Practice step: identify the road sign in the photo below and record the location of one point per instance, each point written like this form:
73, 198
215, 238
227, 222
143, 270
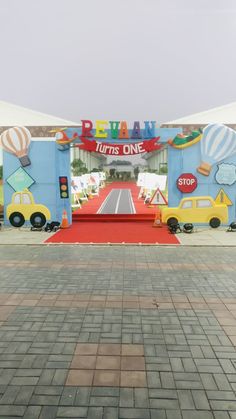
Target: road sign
186, 182
158, 198
222, 198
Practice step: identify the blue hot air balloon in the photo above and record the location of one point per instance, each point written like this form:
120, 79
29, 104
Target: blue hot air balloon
218, 142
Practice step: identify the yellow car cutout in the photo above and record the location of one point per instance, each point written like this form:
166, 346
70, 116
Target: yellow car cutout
23, 208
198, 209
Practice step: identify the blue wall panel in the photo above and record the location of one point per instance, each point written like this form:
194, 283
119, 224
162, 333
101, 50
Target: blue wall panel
47, 164
187, 161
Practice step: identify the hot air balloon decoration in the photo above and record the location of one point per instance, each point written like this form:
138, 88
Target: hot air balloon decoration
17, 141
218, 143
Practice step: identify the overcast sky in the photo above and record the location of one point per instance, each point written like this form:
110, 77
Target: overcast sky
118, 59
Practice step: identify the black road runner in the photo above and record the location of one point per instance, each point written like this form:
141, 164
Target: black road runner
118, 201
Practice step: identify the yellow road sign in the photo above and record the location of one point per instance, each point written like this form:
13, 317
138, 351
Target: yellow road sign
222, 198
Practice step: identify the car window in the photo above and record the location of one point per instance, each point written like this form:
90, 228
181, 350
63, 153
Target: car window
25, 199
204, 203
17, 199
187, 204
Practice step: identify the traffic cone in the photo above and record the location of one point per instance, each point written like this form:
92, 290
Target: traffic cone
157, 221
90, 196
64, 223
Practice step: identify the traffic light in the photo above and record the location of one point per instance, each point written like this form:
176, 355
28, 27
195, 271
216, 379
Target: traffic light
63, 184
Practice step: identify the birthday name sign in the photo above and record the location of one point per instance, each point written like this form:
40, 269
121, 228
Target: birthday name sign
108, 131
118, 129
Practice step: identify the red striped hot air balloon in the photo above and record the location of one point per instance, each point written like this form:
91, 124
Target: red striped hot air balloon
17, 141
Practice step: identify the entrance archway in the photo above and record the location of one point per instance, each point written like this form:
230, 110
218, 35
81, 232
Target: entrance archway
120, 201
37, 176
40, 184
114, 140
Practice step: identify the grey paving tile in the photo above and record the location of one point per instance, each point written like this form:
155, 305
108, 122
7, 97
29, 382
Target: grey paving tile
82, 396
105, 391
110, 413
68, 396
164, 404
167, 380
190, 414
48, 412
163, 394
127, 413
186, 400
103, 401
72, 412
10, 410
95, 413
45, 400
222, 382
32, 412
153, 379
223, 405
221, 395
24, 395
157, 414
173, 414
223, 415
141, 397
24, 381
200, 399
126, 397
209, 381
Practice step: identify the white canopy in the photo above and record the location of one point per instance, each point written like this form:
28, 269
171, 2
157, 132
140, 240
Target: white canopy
225, 114
13, 115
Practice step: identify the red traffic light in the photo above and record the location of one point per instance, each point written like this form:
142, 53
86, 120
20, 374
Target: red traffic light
63, 185
63, 179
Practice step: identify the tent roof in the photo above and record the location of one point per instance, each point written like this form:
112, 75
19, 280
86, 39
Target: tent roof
225, 114
13, 115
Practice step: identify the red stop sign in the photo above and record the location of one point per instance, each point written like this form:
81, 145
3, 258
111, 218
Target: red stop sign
186, 183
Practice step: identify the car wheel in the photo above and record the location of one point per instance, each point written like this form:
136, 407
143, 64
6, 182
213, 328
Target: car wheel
172, 221
38, 220
17, 219
214, 222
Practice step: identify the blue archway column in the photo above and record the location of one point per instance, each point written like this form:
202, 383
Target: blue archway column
47, 164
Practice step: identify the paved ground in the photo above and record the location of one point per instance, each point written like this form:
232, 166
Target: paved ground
11, 236
117, 332
202, 236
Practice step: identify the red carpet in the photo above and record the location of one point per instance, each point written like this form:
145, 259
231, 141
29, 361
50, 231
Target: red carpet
114, 232
93, 205
118, 228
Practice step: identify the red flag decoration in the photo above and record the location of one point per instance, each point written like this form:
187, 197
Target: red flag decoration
158, 198
119, 149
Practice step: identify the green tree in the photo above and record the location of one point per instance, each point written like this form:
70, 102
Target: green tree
78, 167
1, 172
163, 169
